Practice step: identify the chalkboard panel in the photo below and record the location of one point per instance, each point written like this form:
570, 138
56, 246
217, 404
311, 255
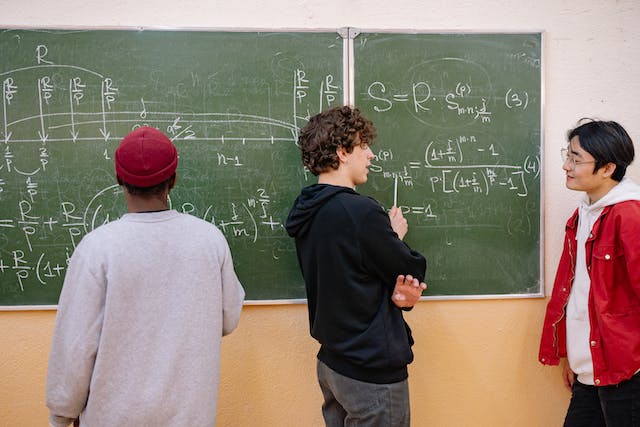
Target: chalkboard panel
459, 125
232, 102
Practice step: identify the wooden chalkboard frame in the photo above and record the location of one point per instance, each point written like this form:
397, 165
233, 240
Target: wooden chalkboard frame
348, 91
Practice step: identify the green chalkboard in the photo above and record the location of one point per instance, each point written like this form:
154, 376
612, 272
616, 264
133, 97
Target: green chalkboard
459, 131
458, 118
232, 102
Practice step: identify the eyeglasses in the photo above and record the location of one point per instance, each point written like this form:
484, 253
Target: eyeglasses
564, 153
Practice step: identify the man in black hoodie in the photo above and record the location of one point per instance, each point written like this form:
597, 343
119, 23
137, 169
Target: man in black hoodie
359, 276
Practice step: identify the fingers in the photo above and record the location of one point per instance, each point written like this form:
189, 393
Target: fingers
568, 377
407, 291
411, 281
396, 214
399, 223
415, 283
567, 382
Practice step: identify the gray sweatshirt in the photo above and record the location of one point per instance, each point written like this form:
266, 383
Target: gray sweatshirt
145, 303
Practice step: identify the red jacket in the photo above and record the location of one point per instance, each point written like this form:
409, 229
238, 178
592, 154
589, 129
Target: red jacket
613, 262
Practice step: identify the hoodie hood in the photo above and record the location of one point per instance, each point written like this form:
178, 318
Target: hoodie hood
625, 190
588, 213
307, 204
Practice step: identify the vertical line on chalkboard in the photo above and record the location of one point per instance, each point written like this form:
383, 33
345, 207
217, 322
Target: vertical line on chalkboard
295, 113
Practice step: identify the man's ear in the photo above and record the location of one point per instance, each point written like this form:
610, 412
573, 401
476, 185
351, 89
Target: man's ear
608, 170
342, 154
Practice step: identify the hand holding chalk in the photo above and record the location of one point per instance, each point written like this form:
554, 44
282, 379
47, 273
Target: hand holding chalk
398, 222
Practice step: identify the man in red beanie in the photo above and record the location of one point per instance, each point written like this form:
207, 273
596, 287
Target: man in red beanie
144, 305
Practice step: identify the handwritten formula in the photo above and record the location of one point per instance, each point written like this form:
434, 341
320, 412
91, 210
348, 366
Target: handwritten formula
458, 147
66, 106
458, 151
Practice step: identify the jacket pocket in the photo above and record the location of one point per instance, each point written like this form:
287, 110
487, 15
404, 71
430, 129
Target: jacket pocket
607, 262
619, 330
607, 252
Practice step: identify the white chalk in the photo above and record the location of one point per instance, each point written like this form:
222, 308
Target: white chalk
395, 192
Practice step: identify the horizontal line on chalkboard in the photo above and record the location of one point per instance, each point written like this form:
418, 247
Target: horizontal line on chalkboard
457, 226
118, 138
473, 167
149, 120
226, 118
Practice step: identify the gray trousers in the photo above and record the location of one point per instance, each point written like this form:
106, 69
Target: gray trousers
353, 403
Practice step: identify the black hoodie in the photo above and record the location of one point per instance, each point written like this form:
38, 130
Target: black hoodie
350, 257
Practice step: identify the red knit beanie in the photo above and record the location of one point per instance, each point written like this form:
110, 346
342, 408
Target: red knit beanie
145, 157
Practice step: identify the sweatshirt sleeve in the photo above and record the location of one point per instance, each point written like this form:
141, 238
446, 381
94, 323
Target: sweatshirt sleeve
386, 255
75, 341
232, 294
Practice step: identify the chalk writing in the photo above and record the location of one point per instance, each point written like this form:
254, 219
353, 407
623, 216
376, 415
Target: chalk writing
454, 148
64, 110
458, 151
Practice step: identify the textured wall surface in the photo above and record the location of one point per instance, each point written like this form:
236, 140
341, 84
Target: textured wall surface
476, 361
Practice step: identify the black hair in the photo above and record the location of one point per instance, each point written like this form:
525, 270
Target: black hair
607, 142
148, 192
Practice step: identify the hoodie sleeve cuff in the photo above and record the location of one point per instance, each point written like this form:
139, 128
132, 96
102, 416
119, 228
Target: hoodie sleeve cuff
57, 421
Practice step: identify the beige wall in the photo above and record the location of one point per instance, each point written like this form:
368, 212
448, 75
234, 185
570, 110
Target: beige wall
475, 366
475, 360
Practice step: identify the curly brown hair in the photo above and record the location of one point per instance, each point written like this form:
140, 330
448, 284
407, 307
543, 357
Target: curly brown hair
326, 132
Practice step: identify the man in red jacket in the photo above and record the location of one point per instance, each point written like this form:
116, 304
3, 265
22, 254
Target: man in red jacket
593, 317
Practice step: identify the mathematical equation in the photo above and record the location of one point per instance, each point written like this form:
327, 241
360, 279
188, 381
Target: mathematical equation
233, 104
459, 101
248, 219
455, 166
61, 123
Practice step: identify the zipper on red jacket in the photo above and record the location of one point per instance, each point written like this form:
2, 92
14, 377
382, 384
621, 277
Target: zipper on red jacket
566, 302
